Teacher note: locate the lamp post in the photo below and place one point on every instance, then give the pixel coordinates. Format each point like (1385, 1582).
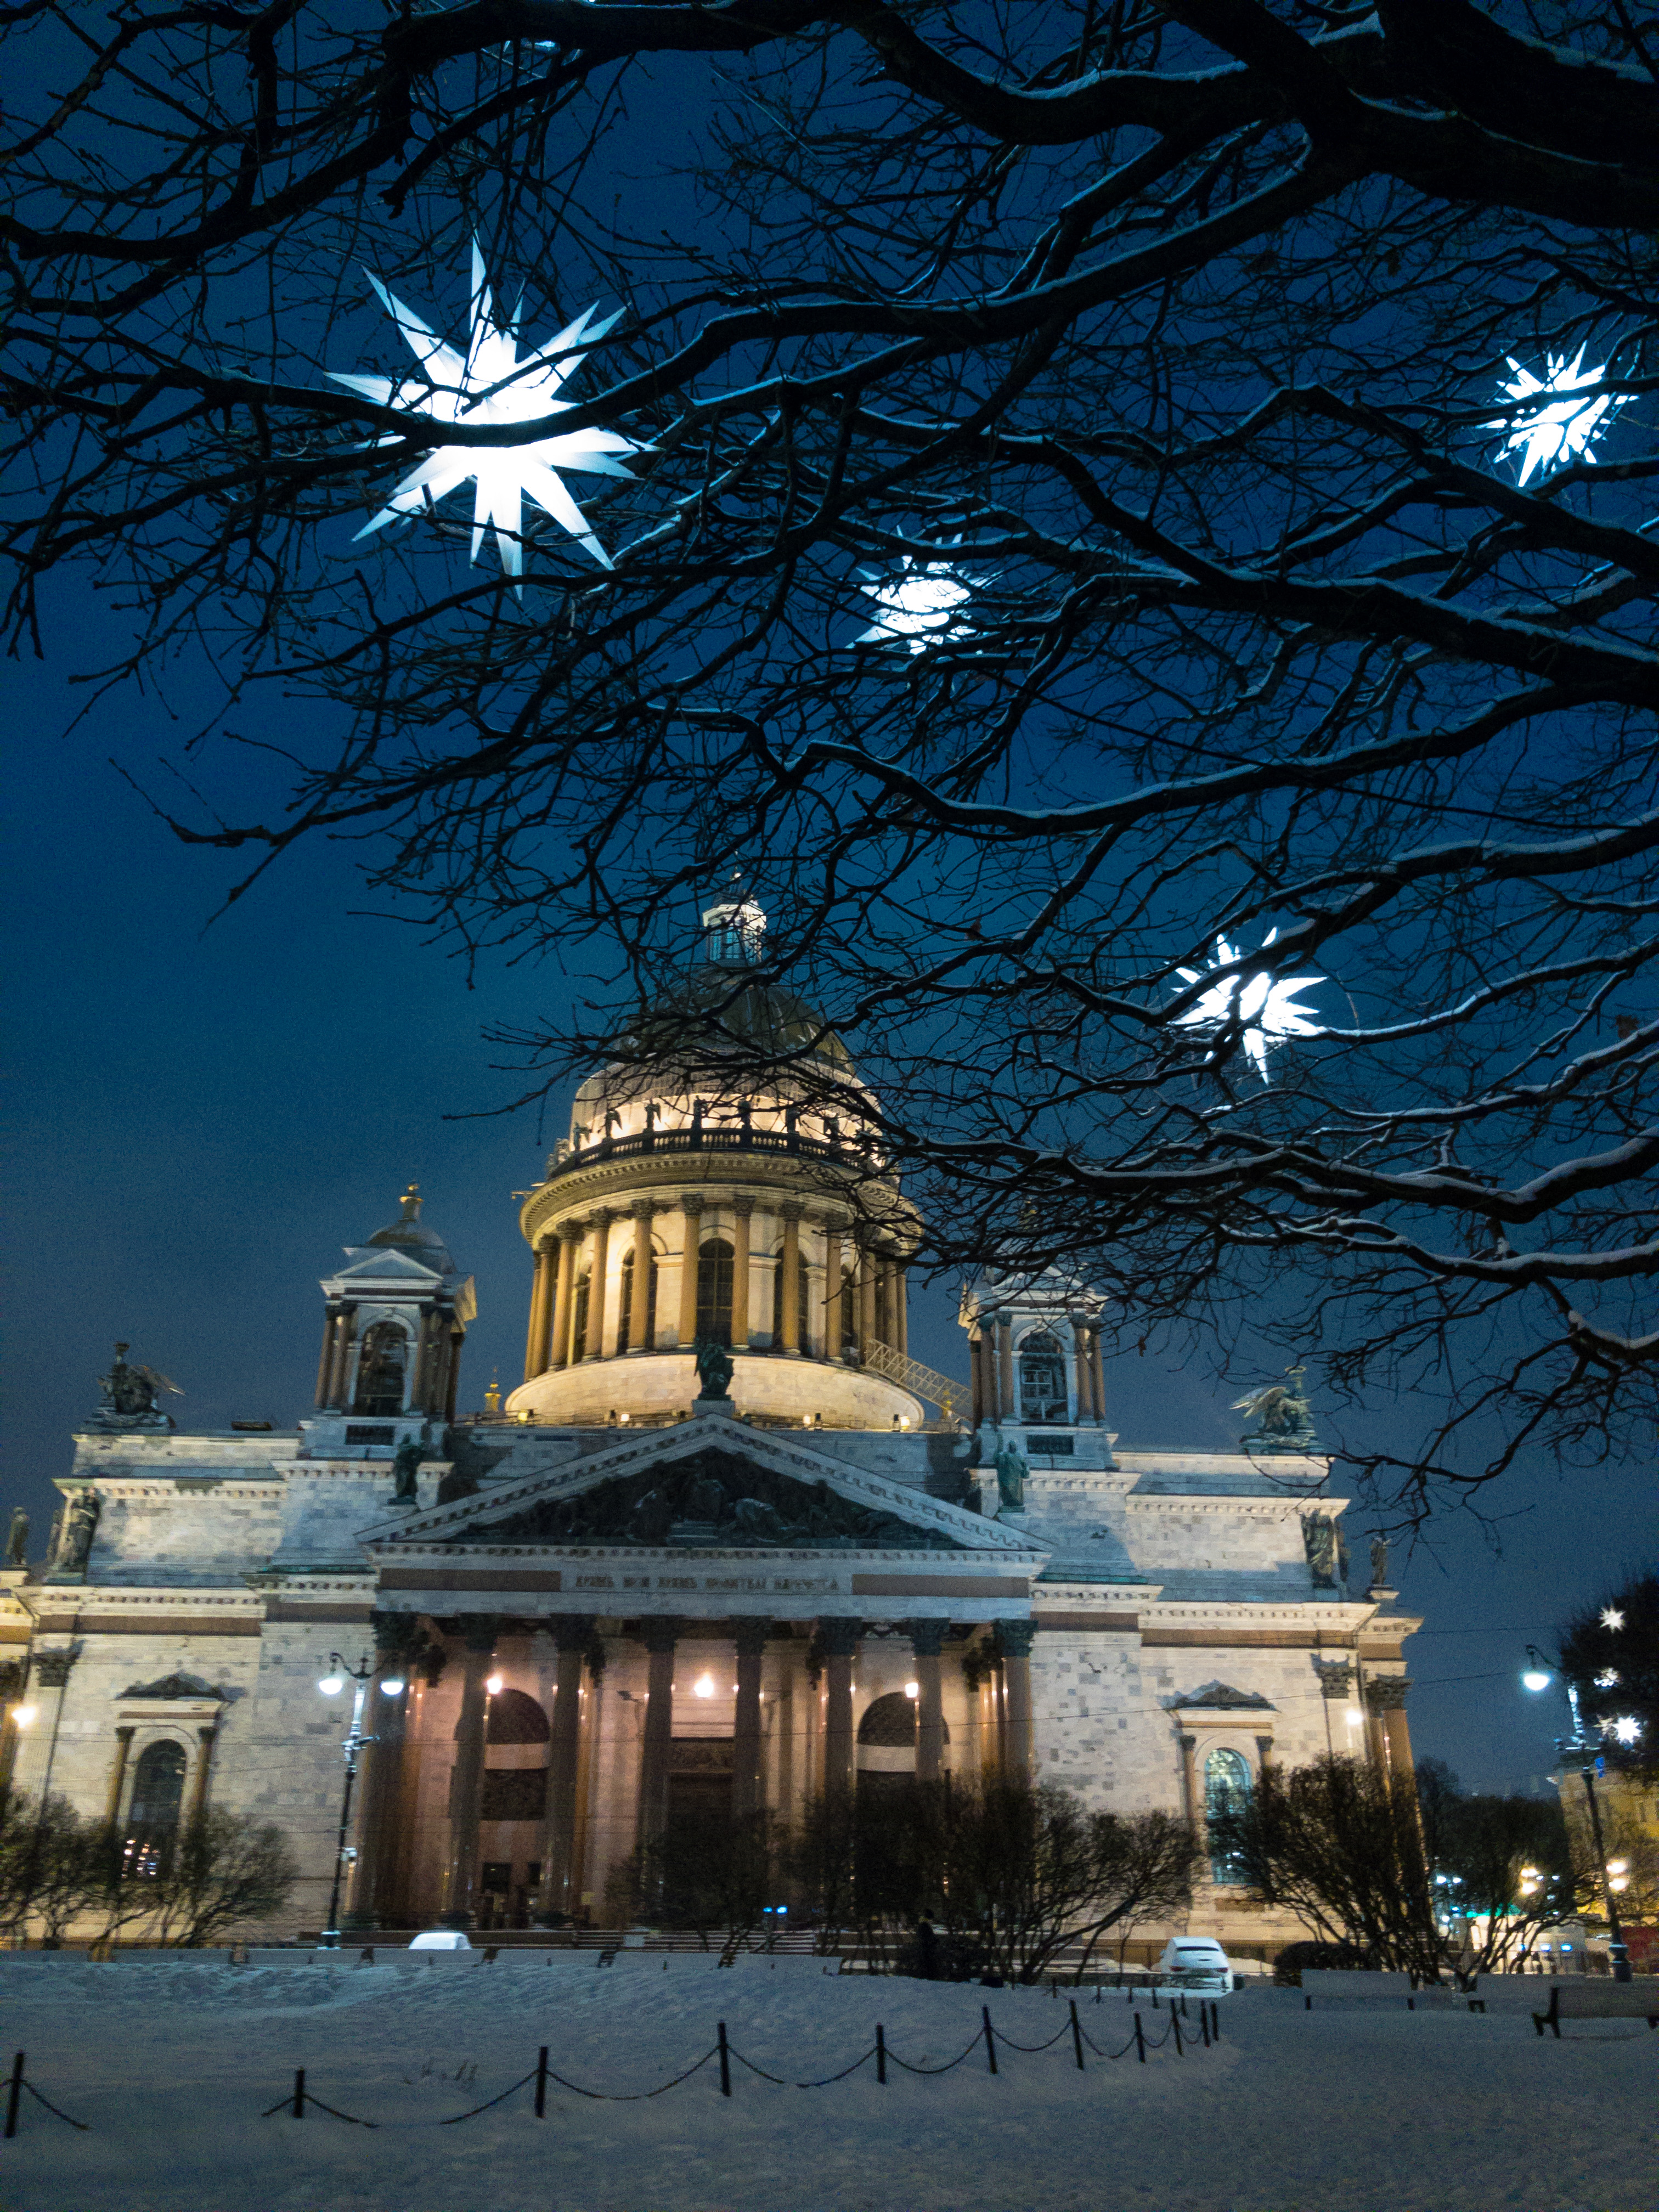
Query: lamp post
(331, 1684)
(1536, 1678)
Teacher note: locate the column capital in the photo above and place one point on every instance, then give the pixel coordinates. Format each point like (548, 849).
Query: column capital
(641, 1209)
(479, 1633)
(751, 1637)
(691, 1203)
(1386, 1693)
(926, 1638)
(1016, 1638)
(1335, 1677)
(742, 1205)
(571, 1233)
(840, 1637)
(51, 1669)
(792, 1209)
(661, 1635)
(601, 1217)
(572, 1631)
(125, 1731)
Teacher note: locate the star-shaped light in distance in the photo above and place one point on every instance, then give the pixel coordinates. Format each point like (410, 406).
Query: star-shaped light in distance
(1559, 432)
(918, 604)
(491, 383)
(1607, 1679)
(1611, 1617)
(1626, 1729)
(1263, 1005)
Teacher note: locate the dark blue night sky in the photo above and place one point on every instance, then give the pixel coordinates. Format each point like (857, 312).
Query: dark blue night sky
(200, 1117)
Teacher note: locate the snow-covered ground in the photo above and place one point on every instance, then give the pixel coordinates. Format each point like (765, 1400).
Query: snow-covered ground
(1341, 2109)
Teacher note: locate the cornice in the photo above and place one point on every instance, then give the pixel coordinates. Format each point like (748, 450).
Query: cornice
(1260, 1509)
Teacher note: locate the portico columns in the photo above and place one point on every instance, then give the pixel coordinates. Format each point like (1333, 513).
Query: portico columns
(571, 1633)
(691, 1234)
(748, 1790)
(570, 1237)
(596, 1285)
(791, 1213)
(927, 1643)
(378, 1887)
(1099, 1372)
(742, 1208)
(840, 1644)
(541, 1300)
(1016, 1638)
(1008, 1403)
(659, 1637)
(466, 1777)
(1086, 1378)
(1385, 1701)
(866, 1296)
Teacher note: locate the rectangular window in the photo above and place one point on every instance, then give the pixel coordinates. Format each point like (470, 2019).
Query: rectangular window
(361, 1432)
(513, 1793)
(1044, 1444)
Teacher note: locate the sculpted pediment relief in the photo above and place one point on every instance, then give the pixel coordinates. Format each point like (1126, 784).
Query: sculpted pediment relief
(716, 1498)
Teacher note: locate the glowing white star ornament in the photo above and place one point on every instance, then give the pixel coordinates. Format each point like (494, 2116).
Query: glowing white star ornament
(918, 604)
(490, 383)
(1547, 436)
(1611, 1617)
(1626, 1729)
(1263, 1005)
(1607, 1679)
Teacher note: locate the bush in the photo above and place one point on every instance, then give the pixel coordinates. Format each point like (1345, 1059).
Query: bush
(1296, 1958)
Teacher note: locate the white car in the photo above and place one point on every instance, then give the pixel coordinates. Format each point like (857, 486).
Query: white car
(440, 1939)
(1195, 1962)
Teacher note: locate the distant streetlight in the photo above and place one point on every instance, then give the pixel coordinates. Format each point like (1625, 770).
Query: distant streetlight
(1538, 1677)
(331, 1684)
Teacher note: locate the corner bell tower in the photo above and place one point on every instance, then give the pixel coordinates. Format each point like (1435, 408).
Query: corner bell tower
(396, 1319)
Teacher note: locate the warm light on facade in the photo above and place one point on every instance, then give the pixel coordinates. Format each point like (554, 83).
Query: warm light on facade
(494, 1685)
(25, 1715)
(703, 1687)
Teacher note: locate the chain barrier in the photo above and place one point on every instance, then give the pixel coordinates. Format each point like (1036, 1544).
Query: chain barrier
(15, 2087)
(299, 2097)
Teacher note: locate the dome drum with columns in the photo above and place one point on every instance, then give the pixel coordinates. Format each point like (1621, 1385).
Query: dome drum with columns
(585, 1638)
(697, 1205)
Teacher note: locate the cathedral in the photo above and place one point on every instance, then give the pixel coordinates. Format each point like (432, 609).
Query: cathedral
(727, 1546)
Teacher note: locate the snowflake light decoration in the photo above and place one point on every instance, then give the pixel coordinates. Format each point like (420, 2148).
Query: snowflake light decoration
(918, 604)
(1548, 435)
(1607, 1679)
(1626, 1729)
(490, 383)
(1611, 1617)
(1263, 1005)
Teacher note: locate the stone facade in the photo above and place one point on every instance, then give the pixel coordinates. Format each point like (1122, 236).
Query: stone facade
(616, 1599)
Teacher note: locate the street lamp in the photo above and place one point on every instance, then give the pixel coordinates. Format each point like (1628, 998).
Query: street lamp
(331, 1684)
(1536, 1677)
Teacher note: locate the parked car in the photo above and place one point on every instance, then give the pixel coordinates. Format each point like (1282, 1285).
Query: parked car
(440, 1939)
(1195, 1962)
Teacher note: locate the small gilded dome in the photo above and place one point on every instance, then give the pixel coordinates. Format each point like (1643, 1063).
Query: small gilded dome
(408, 1233)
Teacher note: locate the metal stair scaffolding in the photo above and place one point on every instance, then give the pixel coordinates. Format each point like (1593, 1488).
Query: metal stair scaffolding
(952, 1398)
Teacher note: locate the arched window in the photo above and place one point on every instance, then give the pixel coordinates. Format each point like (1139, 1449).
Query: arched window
(579, 1316)
(803, 1291)
(625, 1311)
(1042, 1379)
(158, 1793)
(516, 1719)
(715, 1291)
(380, 1369)
(1226, 1790)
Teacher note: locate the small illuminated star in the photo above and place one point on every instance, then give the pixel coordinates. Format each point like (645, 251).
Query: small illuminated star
(491, 383)
(1568, 427)
(1612, 1617)
(918, 605)
(1263, 1005)
(1607, 1679)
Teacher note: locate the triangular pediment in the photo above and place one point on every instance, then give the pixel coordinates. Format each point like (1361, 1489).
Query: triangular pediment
(735, 1489)
(379, 1264)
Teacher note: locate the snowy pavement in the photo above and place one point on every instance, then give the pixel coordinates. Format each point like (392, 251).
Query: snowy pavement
(1342, 2110)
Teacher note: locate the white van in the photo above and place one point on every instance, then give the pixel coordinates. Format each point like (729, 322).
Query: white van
(440, 1939)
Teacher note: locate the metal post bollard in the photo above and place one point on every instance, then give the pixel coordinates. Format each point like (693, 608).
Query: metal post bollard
(15, 2096)
(990, 2036)
(541, 2083)
(725, 2063)
(1174, 2022)
(1204, 2022)
(299, 2105)
(881, 2053)
(1141, 2041)
(1215, 2021)
(1077, 2036)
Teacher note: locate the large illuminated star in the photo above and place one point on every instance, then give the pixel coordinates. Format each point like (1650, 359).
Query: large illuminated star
(1568, 427)
(491, 383)
(918, 604)
(1264, 1005)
